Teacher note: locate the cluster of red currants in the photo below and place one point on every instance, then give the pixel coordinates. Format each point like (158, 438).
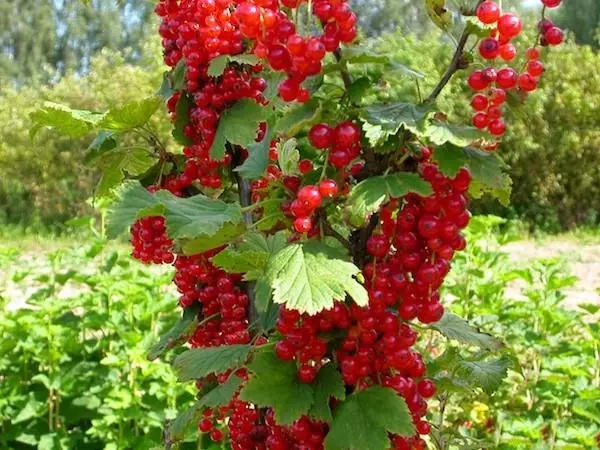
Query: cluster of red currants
(493, 84)
(150, 242)
(277, 40)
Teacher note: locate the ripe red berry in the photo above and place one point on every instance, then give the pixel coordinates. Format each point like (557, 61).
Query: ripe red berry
(551, 3)
(310, 197)
(497, 127)
(488, 12)
(508, 52)
(479, 102)
(507, 78)
(476, 81)
(498, 96)
(532, 53)
(554, 36)
(481, 120)
(510, 25)
(205, 425)
(305, 166)
(307, 374)
(378, 245)
(303, 224)
(216, 435)
(347, 134)
(315, 50)
(328, 188)
(528, 82)
(489, 48)
(248, 14)
(535, 68)
(321, 136)
(289, 90)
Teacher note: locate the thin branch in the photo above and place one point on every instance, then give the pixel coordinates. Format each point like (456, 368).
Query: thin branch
(455, 65)
(452, 68)
(343, 69)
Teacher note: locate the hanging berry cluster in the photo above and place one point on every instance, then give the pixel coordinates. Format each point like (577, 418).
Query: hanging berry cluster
(403, 252)
(493, 83)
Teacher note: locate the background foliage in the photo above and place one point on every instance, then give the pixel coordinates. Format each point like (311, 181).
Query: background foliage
(552, 147)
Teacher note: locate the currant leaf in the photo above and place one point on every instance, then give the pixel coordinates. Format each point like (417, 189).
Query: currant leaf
(487, 375)
(274, 383)
(439, 133)
(309, 277)
(368, 195)
(457, 328)
(295, 118)
(217, 65)
(239, 126)
(117, 164)
(200, 244)
(387, 120)
(329, 384)
(200, 362)
(258, 157)
(179, 333)
(288, 157)
(364, 419)
(133, 202)
(131, 115)
(182, 110)
(218, 396)
(69, 122)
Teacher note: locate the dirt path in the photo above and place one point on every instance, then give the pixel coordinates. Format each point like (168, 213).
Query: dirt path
(583, 259)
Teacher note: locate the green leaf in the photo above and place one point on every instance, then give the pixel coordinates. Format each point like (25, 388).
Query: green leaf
(328, 384)
(239, 126)
(217, 65)
(387, 120)
(198, 215)
(486, 169)
(274, 383)
(180, 333)
(186, 218)
(288, 156)
(362, 55)
(173, 81)
(358, 89)
(367, 196)
(258, 158)
(474, 26)
(309, 277)
(131, 115)
(457, 328)
(182, 110)
(294, 119)
(589, 409)
(117, 164)
(220, 395)
(251, 255)
(200, 362)
(487, 375)
(133, 201)
(104, 141)
(227, 233)
(364, 419)
(70, 122)
(439, 133)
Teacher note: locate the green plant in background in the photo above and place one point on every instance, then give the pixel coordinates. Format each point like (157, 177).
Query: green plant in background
(551, 397)
(74, 372)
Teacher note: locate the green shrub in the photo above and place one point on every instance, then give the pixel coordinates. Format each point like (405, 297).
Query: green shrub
(73, 367)
(44, 180)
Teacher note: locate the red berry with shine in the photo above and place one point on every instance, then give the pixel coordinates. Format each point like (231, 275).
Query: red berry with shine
(510, 25)
(328, 188)
(479, 102)
(488, 12)
(554, 36)
(489, 48)
(347, 134)
(378, 245)
(321, 136)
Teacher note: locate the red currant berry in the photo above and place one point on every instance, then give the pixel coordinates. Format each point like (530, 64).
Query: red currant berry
(426, 388)
(532, 53)
(321, 136)
(508, 52)
(310, 197)
(554, 36)
(481, 120)
(347, 134)
(489, 48)
(479, 102)
(378, 245)
(328, 188)
(551, 3)
(497, 127)
(303, 224)
(488, 12)
(476, 81)
(307, 374)
(507, 78)
(305, 166)
(509, 25)
(535, 68)
(528, 82)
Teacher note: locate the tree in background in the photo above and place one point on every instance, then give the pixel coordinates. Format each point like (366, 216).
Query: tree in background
(582, 17)
(45, 39)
